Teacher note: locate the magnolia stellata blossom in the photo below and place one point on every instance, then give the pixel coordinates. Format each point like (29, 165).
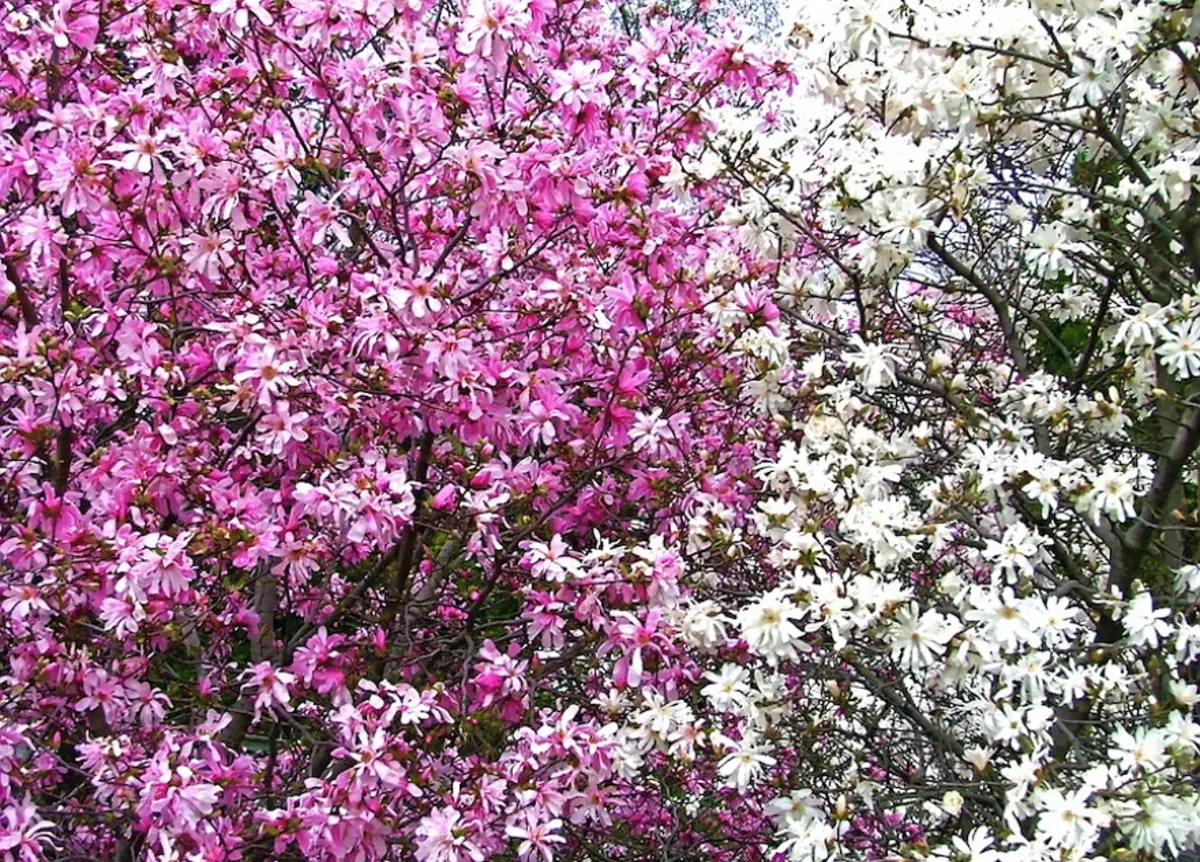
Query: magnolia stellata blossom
(976, 503)
(345, 351)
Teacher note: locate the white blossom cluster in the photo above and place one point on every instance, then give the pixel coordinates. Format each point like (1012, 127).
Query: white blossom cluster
(976, 542)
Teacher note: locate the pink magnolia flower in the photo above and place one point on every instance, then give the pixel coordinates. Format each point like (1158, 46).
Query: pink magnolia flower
(536, 837)
(276, 157)
(148, 705)
(636, 638)
(544, 614)
(420, 299)
(443, 836)
(100, 692)
(580, 84)
(120, 616)
(490, 25)
(23, 601)
(192, 799)
(371, 754)
(324, 218)
(241, 11)
(500, 679)
(165, 568)
(24, 835)
(71, 27)
(271, 684)
(268, 375)
(208, 254)
(146, 154)
(282, 427)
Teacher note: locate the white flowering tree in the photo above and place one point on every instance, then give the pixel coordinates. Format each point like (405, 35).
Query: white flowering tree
(760, 17)
(974, 567)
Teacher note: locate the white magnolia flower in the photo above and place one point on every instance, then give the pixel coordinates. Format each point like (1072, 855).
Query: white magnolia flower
(1016, 554)
(1065, 820)
(919, 639)
(1007, 620)
(744, 761)
(1183, 693)
(1159, 823)
(1090, 84)
(908, 223)
(1112, 494)
(769, 628)
(727, 690)
(976, 847)
(1047, 252)
(1180, 350)
(800, 804)
(875, 363)
(1144, 749)
(1182, 733)
(1143, 623)
(1187, 578)
(806, 839)
(1141, 328)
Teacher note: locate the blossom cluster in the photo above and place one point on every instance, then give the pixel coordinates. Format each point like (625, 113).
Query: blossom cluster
(327, 328)
(974, 543)
(538, 430)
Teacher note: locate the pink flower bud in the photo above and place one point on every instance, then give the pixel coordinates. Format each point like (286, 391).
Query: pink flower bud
(445, 500)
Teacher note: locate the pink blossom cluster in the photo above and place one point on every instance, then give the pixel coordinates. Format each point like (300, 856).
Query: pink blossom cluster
(328, 329)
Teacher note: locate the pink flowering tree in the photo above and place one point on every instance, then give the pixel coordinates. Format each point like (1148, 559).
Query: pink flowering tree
(341, 342)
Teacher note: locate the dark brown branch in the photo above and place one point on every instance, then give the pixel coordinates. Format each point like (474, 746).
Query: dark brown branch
(262, 648)
(1138, 537)
(28, 310)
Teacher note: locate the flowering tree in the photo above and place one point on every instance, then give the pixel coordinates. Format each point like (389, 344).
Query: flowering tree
(329, 330)
(761, 17)
(430, 433)
(974, 565)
